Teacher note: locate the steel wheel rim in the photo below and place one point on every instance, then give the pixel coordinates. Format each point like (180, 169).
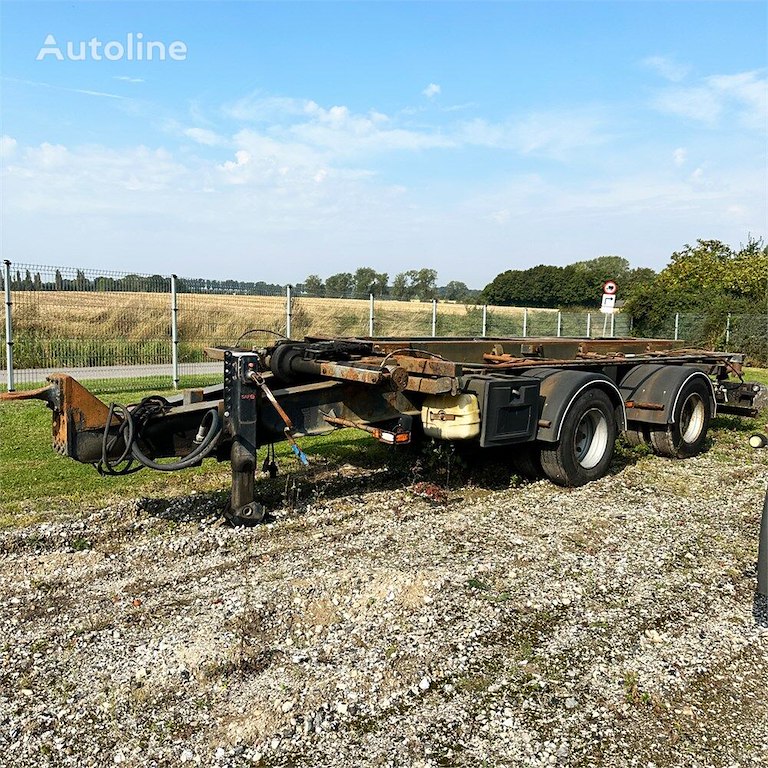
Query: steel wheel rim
(692, 418)
(591, 438)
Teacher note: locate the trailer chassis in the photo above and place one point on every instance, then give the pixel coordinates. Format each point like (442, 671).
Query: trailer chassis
(556, 403)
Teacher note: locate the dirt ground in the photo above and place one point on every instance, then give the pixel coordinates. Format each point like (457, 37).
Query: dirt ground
(505, 624)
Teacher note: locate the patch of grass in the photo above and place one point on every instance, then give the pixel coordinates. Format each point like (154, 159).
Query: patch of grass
(760, 375)
(35, 480)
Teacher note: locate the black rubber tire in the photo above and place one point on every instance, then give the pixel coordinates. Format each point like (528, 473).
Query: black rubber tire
(587, 441)
(526, 462)
(637, 434)
(687, 435)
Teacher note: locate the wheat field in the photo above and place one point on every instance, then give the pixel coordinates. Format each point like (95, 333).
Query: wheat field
(81, 328)
(144, 316)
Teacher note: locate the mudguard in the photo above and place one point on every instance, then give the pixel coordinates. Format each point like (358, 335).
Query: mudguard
(559, 390)
(650, 391)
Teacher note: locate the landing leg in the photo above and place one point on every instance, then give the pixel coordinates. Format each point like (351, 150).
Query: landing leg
(243, 509)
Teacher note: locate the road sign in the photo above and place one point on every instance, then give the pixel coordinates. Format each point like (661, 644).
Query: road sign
(609, 304)
(610, 287)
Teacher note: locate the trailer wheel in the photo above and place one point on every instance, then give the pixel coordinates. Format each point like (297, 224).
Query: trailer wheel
(526, 462)
(637, 434)
(587, 439)
(686, 435)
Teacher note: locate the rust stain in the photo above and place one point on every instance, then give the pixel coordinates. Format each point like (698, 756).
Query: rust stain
(77, 410)
(43, 393)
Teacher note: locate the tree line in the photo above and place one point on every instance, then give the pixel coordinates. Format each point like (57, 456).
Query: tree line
(138, 283)
(575, 285)
(420, 284)
(709, 278)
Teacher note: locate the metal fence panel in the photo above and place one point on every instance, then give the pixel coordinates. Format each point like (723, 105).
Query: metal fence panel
(725, 332)
(113, 329)
(104, 326)
(749, 334)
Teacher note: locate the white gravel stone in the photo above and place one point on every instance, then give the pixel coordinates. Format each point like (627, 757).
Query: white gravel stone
(575, 627)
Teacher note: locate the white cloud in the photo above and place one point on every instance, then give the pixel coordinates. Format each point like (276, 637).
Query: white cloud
(84, 91)
(127, 79)
(308, 133)
(742, 97)
(257, 108)
(667, 67)
(748, 91)
(269, 153)
(459, 107)
(280, 207)
(555, 134)
(432, 90)
(699, 104)
(697, 176)
(7, 146)
(204, 136)
(290, 182)
(48, 155)
(501, 217)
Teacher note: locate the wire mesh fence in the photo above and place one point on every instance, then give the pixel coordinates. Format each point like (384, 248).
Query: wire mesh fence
(119, 329)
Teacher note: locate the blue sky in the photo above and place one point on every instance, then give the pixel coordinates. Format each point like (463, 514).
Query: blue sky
(296, 138)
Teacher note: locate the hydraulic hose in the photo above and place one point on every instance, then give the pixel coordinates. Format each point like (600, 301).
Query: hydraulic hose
(193, 456)
(130, 429)
(126, 432)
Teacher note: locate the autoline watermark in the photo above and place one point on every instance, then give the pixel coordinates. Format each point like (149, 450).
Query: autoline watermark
(133, 48)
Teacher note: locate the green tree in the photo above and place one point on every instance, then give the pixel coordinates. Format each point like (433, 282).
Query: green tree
(401, 289)
(576, 285)
(313, 285)
(340, 284)
(456, 291)
(367, 280)
(424, 282)
(104, 283)
(415, 284)
(709, 279)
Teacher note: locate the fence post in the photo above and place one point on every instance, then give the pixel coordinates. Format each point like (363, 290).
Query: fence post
(485, 320)
(613, 324)
(762, 551)
(370, 316)
(525, 322)
(434, 317)
(174, 332)
(288, 311)
(728, 332)
(589, 325)
(8, 325)
(677, 326)
(559, 323)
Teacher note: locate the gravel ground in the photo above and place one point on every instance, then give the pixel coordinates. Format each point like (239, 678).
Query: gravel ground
(509, 625)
